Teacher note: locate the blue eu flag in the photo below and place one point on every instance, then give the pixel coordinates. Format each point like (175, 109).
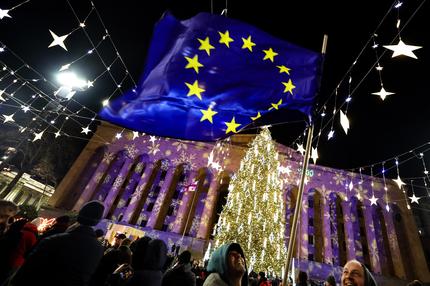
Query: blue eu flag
(209, 76)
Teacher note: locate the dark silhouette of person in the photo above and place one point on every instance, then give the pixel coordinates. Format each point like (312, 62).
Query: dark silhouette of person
(180, 274)
(69, 258)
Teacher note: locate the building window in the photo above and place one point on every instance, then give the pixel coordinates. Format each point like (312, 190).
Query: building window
(311, 257)
(143, 223)
(164, 227)
(150, 207)
(170, 210)
(128, 201)
(311, 203)
(311, 221)
(311, 239)
(120, 217)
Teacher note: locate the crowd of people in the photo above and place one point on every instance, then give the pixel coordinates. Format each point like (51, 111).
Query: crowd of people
(75, 254)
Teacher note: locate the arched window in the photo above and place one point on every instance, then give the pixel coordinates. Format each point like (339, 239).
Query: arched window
(382, 243)
(337, 230)
(315, 226)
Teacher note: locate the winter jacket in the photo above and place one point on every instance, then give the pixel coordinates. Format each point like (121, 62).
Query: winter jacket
(218, 265)
(179, 275)
(64, 259)
(27, 241)
(214, 279)
(154, 258)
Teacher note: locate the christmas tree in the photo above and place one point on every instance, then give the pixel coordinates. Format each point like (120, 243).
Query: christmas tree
(254, 213)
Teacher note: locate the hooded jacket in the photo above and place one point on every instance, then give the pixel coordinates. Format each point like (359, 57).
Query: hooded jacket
(154, 259)
(369, 280)
(218, 265)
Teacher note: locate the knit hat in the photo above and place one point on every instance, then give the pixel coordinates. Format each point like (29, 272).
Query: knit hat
(91, 213)
(184, 257)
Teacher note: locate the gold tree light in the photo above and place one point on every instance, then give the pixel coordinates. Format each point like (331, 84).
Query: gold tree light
(254, 213)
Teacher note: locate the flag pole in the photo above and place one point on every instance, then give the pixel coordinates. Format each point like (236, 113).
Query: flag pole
(297, 210)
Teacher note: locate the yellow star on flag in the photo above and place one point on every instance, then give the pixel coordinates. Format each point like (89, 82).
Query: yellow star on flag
(207, 114)
(193, 63)
(276, 105)
(283, 69)
(289, 86)
(270, 54)
(231, 126)
(256, 117)
(205, 46)
(194, 89)
(225, 38)
(247, 43)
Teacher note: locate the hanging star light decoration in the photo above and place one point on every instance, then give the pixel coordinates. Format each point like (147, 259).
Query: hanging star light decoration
(383, 93)
(8, 118)
(57, 134)
(135, 135)
(300, 149)
(373, 200)
(1, 97)
(314, 155)
(58, 41)
(86, 130)
(4, 13)
(344, 122)
(402, 49)
(64, 67)
(399, 182)
(414, 199)
(38, 136)
(118, 135)
(330, 134)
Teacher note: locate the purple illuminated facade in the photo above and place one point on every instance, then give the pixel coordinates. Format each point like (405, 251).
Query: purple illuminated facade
(166, 188)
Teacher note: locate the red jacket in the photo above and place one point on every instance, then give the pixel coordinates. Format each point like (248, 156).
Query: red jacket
(27, 241)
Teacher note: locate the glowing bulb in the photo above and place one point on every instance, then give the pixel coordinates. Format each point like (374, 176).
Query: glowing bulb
(105, 102)
(71, 80)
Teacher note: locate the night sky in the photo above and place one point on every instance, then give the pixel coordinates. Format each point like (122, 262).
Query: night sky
(378, 129)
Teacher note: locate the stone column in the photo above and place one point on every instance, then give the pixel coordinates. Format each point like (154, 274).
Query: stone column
(209, 210)
(91, 186)
(155, 213)
(371, 239)
(105, 132)
(185, 205)
(117, 184)
(418, 260)
(137, 194)
(349, 231)
(302, 239)
(327, 247)
(399, 269)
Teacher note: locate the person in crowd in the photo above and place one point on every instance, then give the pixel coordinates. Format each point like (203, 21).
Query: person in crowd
(262, 280)
(9, 244)
(302, 279)
(8, 210)
(60, 225)
(330, 281)
(356, 274)
(415, 283)
(227, 266)
(180, 274)
(68, 258)
(147, 271)
(109, 263)
(252, 278)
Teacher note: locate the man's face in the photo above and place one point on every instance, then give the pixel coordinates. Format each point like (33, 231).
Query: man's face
(353, 274)
(236, 263)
